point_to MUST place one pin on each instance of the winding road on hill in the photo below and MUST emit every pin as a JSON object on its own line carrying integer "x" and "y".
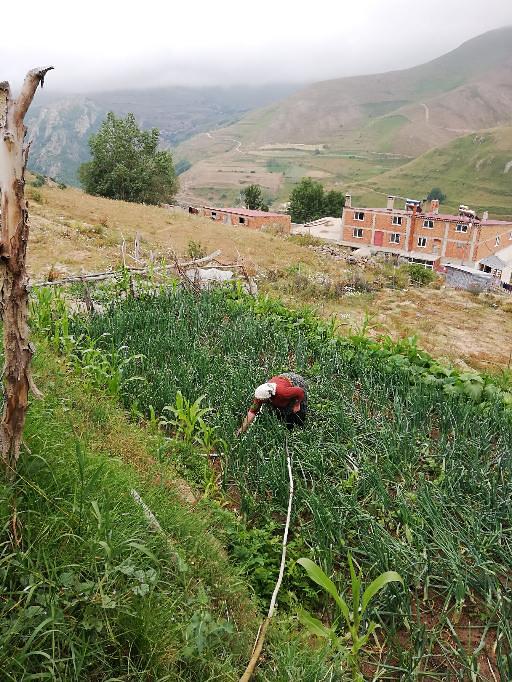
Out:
{"x": 185, "y": 193}
{"x": 238, "y": 143}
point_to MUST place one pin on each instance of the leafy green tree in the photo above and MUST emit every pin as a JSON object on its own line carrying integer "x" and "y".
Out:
{"x": 307, "y": 201}
{"x": 334, "y": 202}
{"x": 127, "y": 164}
{"x": 420, "y": 275}
{"x": 252, "y": 197}
{"x": 436, "y": 193}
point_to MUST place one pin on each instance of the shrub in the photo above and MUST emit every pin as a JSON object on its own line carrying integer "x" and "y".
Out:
{"x": 306, "y": 240}
{"x": 419, "y": 274}
{"x": 195, "y": 250}
{"x": 38, "y": 181}
{"x": 34, "y": 195}
{"x": 436, "y": 193}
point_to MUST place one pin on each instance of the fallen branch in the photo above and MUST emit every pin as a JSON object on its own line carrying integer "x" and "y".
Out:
{"x": 258, "y": 644}
{"x": 151, "y": 518}
{"x": 100, "y": 276}
{"x": 205, "y": 259}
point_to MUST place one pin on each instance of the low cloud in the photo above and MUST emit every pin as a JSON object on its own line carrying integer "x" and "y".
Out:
{"x": 223, "y": 43}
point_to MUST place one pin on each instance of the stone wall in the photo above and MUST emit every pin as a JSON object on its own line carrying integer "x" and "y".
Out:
{"x": 468, "y": 280}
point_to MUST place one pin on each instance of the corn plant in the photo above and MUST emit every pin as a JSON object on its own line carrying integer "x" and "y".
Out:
{"x": 42, "y": 308}
{"x": 105, "y": 369}
{"x": 49, "y": 315}
{"x": 207, "y": 438}
{"x": 352, "y": 615}
{"x": 185, "y": 417}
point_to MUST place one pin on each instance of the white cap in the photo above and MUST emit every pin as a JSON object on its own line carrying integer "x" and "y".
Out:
{"x": 265, "y": 391}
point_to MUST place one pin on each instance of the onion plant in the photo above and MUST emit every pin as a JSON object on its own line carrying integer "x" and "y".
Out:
{"x": 406, "y": 461}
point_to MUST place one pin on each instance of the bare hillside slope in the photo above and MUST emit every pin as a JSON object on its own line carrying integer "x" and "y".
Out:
{"x": 350, "y": 129}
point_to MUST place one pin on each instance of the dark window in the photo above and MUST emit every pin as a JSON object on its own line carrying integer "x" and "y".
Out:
{"x": 359, "y": 215}
{"x": 428, "y": 223}
{"x": 357, "y": 232}
{"x": 241, "y": 220}
{"x": 397, "y": 220}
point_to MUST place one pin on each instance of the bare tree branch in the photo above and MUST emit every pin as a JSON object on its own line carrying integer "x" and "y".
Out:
{"x": 28, "y": 90}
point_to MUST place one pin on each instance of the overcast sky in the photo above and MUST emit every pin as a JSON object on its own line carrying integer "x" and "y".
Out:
{"x": 110, "y": 44}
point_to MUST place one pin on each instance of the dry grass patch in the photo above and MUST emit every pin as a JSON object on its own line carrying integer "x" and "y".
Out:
{"x": 72, "y": 231}
{"x": 79, "y": 230}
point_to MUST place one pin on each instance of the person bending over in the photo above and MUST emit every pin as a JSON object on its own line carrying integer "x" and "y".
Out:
{"x": 286, "y": 395}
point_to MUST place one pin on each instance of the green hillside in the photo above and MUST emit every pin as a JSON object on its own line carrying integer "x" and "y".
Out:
{"x": 350, "y": 128}
{"x": 475, "y": 169}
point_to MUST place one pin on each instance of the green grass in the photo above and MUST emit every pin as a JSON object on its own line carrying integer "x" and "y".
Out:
{"x": 91, "y": 593}
{"x": 402, "y": 474}
{"x": 380, "y": 132}
{"x": 470, "y": 170}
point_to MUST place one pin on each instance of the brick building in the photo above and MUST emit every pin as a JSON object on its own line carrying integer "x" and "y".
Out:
{"x": 426, "y": 237}
{"x": 248, "y": 218}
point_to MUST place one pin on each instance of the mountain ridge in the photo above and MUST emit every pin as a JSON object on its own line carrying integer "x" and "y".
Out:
{"x": 60, "y": 124}
{"x": 401, "y": 113}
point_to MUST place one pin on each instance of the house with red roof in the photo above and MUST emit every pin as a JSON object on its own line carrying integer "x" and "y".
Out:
{"x": 246, "y": 217}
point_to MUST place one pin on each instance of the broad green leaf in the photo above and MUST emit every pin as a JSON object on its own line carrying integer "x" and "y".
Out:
{"x": 96, "y": 510}
{"x": 473, "y": 390}
{"x": 106, "y": 547}
{"x": 318, "y": 576}
{"x": 315, "y": 626}
{"x": 142, "y": 548}
{"x": 471, "y": 376}
{"x": 377, "y": 585}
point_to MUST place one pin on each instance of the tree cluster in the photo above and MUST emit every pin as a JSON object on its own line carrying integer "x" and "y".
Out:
{"x": 309, "y": 201}
{"x": 252, "y": 198}
{"x": 436, "y": 193}
{"x": 127, "y": 164}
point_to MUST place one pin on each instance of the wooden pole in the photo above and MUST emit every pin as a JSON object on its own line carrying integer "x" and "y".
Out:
{"x": 260, "y": 638}
{"x": 17, "y": 379}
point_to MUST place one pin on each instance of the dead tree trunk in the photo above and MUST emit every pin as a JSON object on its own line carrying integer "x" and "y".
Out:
{"x": 13, "y": 274}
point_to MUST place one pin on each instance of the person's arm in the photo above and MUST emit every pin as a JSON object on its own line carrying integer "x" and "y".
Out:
{"x": 250, "y": 417}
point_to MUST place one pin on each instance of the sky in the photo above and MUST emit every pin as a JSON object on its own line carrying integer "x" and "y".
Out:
{"x": 109, "y": 45}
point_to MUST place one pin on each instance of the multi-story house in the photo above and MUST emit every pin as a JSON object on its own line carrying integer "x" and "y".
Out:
{"x": 428, "y": 237}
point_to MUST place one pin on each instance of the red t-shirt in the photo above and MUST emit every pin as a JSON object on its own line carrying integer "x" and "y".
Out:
{"x": 286, "y": 393}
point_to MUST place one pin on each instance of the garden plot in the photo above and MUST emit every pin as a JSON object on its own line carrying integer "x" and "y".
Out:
{"x": 404, "y": 474}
